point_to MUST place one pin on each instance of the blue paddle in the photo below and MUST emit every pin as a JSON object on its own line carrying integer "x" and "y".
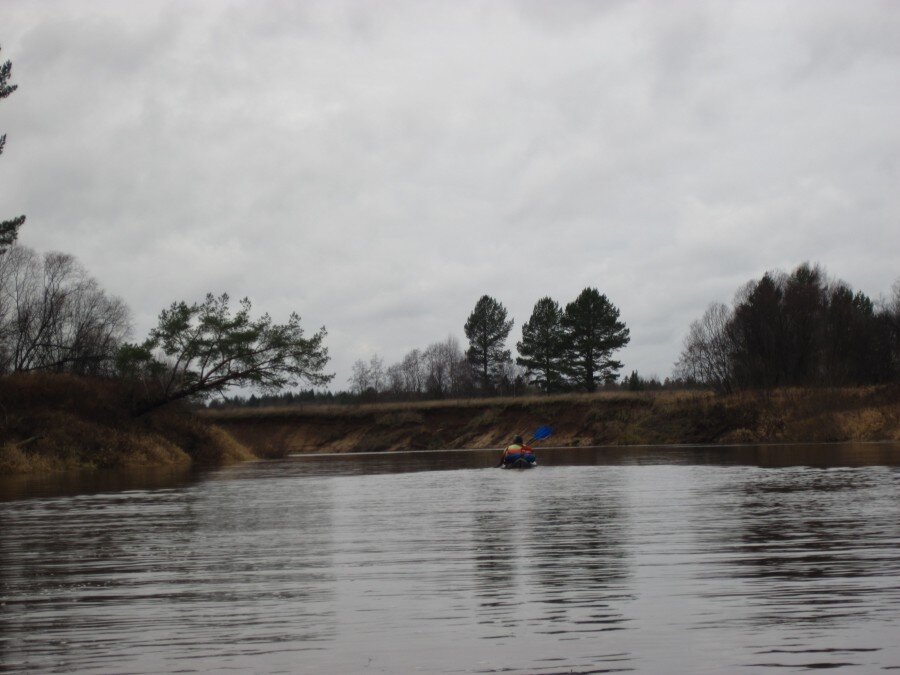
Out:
{"x": 541, "y": 433}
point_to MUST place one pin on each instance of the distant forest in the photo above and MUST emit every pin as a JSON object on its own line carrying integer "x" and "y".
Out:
{"x": 785, "y": 329}
{"x": 562, "y": 349}
{"x": 632, "y": 382}
{"x": 794, "y": 329}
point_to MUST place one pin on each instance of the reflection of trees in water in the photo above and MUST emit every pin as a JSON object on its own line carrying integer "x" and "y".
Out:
{"x": 68, "y": 565}
{"x": 267, "y": 552}
{"x": 578, "y": 563}
{"x": 811, "y": 546}
{"x": 113, "y": 575}
{"x": 560, "y": 566}
{"x": 496, "y": 558}
{"x": 397, "y": 462}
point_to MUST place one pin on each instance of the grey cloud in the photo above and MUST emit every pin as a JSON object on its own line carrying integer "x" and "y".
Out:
{"x": 379, "y": 166}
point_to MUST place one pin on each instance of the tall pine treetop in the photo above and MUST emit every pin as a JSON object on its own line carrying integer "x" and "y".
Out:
{"x": 487, "y": 329}
{"x": 592, "y": 333}
{"x": 9, "y": 229}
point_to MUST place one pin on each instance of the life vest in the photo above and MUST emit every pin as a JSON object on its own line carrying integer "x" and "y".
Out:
{"x": 514, "y": 451}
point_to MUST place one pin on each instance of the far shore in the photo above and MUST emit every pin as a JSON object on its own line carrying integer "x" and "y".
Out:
{"x": 579, "y": 420}
{"x": 63, "y": 423}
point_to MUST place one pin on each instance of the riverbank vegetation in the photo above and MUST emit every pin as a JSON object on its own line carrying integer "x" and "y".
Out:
{"x": 74, "y": 393}
{"x": 55, "y": 421}
{"x": 604, "y": 418}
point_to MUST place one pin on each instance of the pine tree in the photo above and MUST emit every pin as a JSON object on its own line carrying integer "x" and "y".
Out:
{"x": 9, "y": 229}
{"x": 487, "y": 330}
{"x": 207, "y": 349}
{"x": 592, "y": 332}
{"x": 541, "y": 350}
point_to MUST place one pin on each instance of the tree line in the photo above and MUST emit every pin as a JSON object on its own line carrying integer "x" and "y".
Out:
{"x": 284, "y": 399}
{"x": 439, "y": 370}
{"x": 54, "y": 317}
{"x": 794, "y": 329}
{"x": 561, "y": 349}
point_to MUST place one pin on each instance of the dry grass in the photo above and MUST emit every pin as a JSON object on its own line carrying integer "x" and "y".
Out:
{"x": 14, "y": 460}
{"x": 619, "y": 418}
{"x": 55, "y": 423}
{"x": 481, "y": 404}
{"x": 60, "y": 422}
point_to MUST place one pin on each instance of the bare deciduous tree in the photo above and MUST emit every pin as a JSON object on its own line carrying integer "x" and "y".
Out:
{"x": 447, "y": 370}
{"x": 706, "y": 356}
{"x": 414, "y": 376}
{"x": 54, "y": 316}
{"x": 368, "y": 377}
{"x": 394, "y": 380}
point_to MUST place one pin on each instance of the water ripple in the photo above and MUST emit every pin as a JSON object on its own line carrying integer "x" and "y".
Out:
{"x": 310, "y": 565}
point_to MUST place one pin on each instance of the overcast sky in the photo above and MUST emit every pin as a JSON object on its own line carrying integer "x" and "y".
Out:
{"x": 378, "y": 166}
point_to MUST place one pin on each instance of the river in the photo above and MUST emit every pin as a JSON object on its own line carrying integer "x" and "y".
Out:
{"x": 658, "y": 560}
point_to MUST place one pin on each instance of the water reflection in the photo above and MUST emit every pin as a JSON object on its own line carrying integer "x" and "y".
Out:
{"x": 579, "y": 547}
{"x": 90, "y": 582}
{"x": 826, "y": 537}
{"x": 823, "y": 455}
{"x": 601, "y": 560}
{"x": 496, "y": 566}
{"x": 29, "y": 486}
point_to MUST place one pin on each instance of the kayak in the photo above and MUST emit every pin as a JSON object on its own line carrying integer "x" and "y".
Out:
{"x": 520, "y": 463}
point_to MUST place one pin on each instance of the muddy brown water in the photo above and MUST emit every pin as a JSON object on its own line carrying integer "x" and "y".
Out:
{"x": 659, "y": 560}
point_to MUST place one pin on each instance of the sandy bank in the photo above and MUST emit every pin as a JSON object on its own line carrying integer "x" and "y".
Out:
{"x": 789, "y": 415}
{"x": 52, "y": 423}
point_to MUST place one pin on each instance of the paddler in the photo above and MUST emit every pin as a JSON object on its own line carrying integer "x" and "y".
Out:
{"x": 515, "y": 451}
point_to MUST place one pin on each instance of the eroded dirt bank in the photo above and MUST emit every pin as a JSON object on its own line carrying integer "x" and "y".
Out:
{"x": 52, "y": 423}
{"x": 791, "y": 415}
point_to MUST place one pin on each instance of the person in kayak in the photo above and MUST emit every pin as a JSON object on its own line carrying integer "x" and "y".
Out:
{"x": 516, "y": 451}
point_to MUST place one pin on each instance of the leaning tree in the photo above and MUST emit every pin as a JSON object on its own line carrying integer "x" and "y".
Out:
{"x": 202, "y": 348}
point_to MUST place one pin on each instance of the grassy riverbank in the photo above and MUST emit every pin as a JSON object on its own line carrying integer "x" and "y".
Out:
{"x": 789, "y": 415}
{"x": 61, "y": 422}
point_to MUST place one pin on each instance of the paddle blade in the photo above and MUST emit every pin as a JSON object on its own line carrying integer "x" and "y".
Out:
{"x": 542, "y": 432}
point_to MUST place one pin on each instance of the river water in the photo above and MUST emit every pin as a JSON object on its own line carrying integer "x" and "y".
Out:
{"x": 658, "y": 560}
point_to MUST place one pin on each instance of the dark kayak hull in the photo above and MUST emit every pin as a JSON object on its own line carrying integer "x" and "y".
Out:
{"x": 520, "y": 464}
